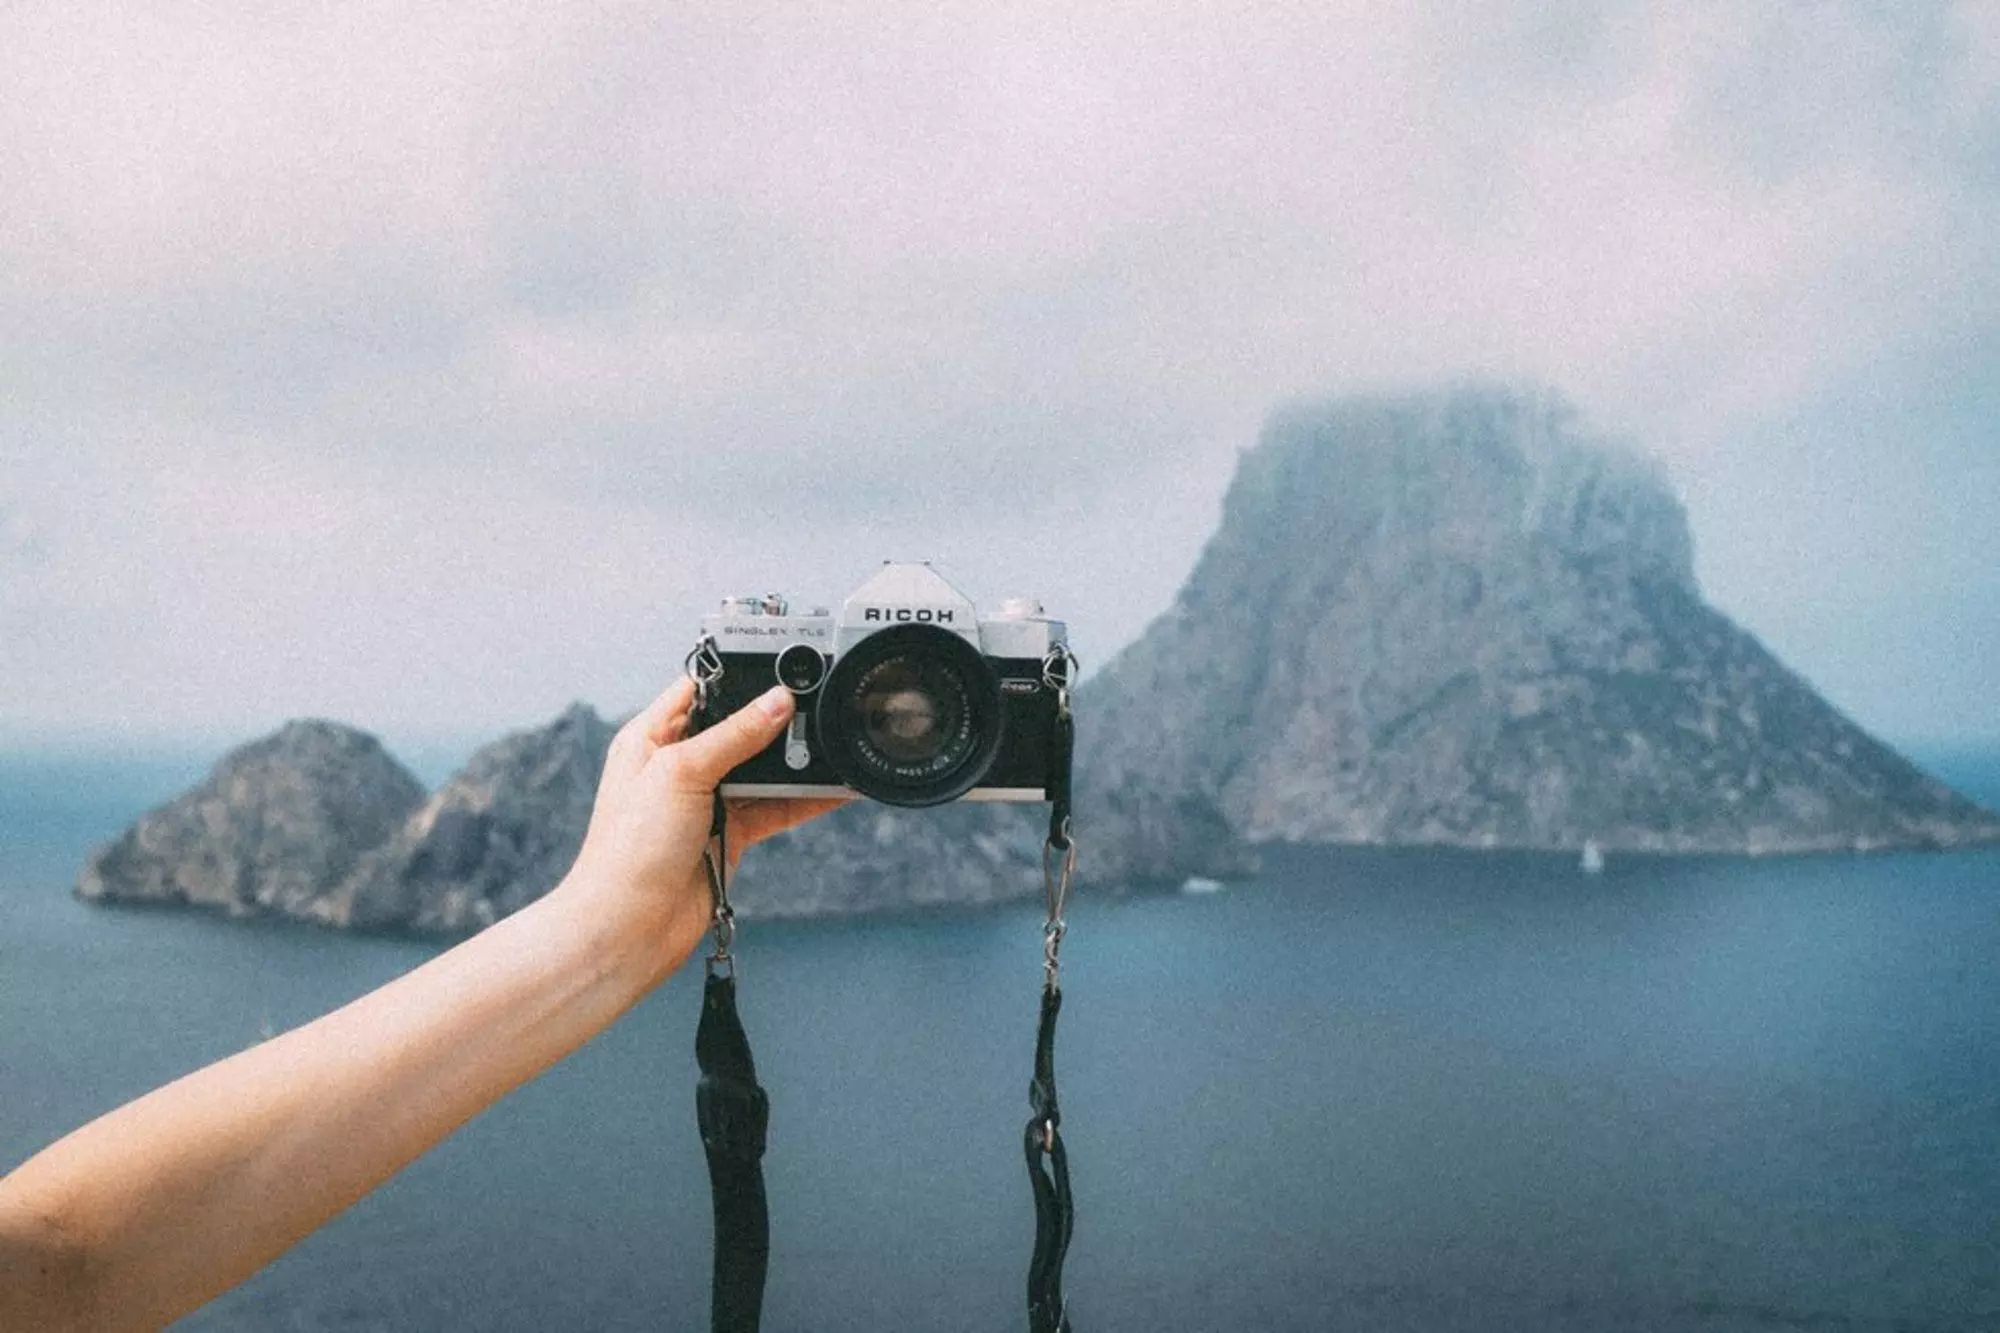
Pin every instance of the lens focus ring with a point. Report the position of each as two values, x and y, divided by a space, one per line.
911 716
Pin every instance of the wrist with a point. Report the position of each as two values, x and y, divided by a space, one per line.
647 931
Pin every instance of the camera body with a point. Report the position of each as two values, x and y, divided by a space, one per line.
908 696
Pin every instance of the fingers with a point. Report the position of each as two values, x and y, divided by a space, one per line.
751 822
677 728
701 761
666 717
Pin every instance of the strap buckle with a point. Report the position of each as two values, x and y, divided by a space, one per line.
1059 670
715 860
1055 890
703 665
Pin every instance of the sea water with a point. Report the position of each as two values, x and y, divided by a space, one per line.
1367 1090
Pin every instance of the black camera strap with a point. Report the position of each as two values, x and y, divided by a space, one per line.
733 1112
1048 1174
1048 1159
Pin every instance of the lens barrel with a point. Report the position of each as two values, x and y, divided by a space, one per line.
911 716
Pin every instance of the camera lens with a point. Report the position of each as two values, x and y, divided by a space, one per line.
911 716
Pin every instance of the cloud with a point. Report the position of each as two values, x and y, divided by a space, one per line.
470 319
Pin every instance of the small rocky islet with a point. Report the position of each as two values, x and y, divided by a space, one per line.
1455 618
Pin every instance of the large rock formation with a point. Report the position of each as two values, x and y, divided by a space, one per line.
272 828
1462 619
494 838
1453 618
869 857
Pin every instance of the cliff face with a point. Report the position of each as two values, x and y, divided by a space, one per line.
494 838
271 829
1459 619
1451 618
869 857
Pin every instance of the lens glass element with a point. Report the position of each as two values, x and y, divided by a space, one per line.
913 714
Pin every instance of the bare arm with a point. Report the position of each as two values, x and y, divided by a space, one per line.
164 1203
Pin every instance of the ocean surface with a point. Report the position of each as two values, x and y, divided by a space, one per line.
1367 1091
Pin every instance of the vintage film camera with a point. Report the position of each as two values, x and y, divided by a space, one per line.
908 696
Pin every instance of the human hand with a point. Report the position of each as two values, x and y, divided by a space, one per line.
655 807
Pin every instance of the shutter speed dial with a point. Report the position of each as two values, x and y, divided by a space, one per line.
801 669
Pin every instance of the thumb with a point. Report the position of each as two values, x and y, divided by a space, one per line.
705 758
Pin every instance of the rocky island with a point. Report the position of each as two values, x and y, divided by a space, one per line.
1461 619
1455 618
277 823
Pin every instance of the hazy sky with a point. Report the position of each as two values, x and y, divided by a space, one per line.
429 366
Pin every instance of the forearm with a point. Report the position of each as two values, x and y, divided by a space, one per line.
162 1204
